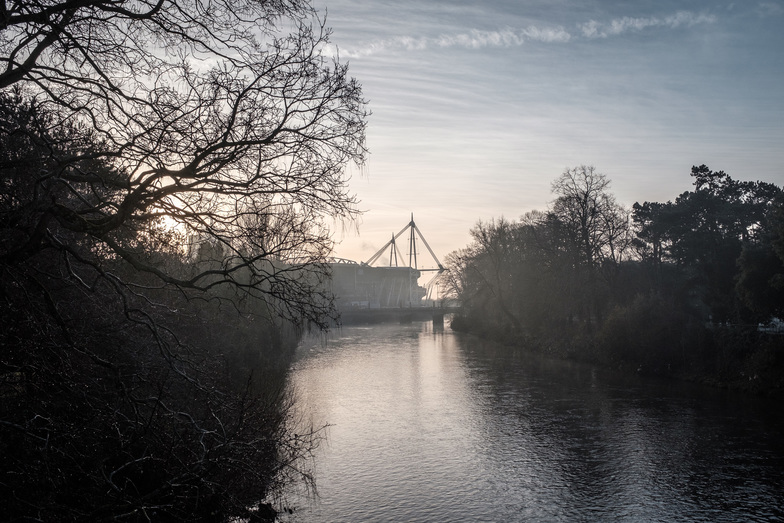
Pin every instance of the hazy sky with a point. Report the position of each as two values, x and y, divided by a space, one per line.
478 105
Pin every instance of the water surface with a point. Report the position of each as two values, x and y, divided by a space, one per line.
427 425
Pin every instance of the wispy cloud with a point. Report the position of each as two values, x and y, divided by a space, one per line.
618 26
516 37
766 9
472 39
476 39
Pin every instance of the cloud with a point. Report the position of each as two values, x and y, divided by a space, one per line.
516 37
471 39
547 35
766 9
627 24
476 39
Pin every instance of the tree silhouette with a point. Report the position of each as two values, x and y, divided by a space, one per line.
167 173
200 114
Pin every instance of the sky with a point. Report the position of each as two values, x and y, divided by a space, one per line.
478 105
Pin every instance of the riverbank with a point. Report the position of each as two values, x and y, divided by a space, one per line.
183 418
739 359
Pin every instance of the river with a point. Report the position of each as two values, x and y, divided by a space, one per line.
428 425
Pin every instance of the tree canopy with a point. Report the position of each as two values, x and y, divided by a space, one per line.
586 276
168 174
210 118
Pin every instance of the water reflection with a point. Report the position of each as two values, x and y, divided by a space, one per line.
427 425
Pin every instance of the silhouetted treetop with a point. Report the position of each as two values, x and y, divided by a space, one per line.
206 115
168 174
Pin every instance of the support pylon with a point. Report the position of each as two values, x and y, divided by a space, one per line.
412 253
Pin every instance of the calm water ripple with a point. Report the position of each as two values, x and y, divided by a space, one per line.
431 426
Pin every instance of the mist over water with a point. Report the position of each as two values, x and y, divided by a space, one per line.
429 425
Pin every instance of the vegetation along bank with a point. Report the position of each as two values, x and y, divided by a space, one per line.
166 172
690 288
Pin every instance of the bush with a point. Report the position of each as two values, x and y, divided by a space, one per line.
747 359
652 335
180 417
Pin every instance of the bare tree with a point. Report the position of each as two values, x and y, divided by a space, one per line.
152 153
598 224
189 113
597 227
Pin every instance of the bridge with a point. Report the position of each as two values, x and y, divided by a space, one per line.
392 315
368 293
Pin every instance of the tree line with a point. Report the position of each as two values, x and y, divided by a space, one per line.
168 173
675 288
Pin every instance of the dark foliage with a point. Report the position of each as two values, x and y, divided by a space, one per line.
165 172
177 418
678 292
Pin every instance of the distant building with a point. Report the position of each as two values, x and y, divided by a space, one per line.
360 286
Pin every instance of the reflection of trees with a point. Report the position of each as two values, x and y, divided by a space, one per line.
565 441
